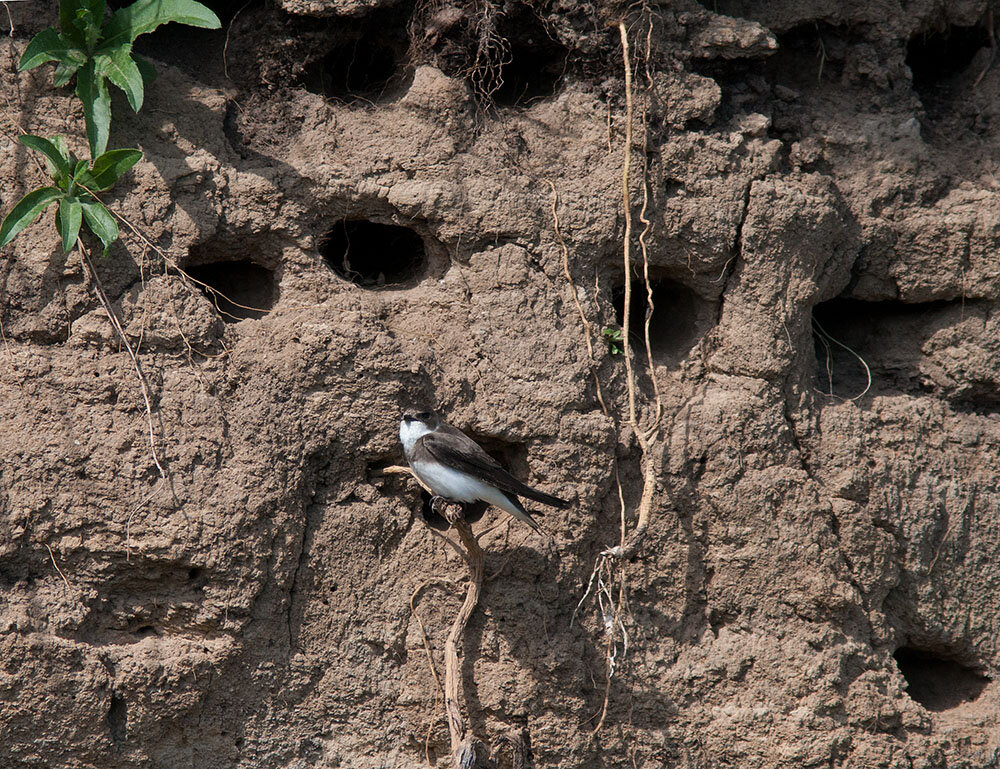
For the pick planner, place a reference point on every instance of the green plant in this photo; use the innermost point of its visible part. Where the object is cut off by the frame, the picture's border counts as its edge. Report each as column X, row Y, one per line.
column 613, row 337
column 96, row 51
column 75, row 181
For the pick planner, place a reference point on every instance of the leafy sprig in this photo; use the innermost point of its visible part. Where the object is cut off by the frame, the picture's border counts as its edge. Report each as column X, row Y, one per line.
column 96, row 51
column 74, row 183
column 613, row 338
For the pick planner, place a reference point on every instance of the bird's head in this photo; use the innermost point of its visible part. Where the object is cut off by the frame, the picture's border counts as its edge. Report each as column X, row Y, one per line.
column 416, row 424
column 428, row 418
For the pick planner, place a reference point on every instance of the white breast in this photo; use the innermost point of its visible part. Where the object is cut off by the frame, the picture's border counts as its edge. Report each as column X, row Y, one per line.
column 410, row 433
column 460, row 487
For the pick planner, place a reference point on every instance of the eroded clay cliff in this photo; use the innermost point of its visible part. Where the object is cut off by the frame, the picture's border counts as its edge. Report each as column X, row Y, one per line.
column 820, row 584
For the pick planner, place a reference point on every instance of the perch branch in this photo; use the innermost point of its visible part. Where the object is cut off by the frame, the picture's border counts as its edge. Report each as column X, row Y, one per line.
column 463, row 744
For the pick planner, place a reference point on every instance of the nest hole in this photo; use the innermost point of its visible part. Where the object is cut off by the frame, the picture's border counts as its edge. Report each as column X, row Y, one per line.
column 374, row 255
column 195, row 50
column 507, row 57
column 873, row 346
column 239, row 289
column 936, row 681
column 117, row 718
column 534, row 64
column 367, row 62
column 938, row 56
column 680, row 318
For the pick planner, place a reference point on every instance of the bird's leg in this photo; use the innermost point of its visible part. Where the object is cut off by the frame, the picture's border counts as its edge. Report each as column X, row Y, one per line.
column 452, row 511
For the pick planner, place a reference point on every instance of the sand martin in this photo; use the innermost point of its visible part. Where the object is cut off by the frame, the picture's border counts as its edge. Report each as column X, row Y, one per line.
column 455, row 467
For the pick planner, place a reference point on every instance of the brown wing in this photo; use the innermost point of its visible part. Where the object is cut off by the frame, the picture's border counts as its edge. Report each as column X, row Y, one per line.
column 453, row 448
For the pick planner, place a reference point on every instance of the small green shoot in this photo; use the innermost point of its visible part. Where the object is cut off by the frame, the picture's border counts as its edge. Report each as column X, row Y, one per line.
column 96, row 51
column 613, row 337
column 74, row 181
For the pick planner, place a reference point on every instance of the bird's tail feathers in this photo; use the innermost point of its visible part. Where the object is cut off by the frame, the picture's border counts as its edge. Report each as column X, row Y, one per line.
column 545, row 499
column 517, row 510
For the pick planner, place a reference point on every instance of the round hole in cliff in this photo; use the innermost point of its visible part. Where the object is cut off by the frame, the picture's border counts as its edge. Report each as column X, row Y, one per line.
column 532, row 63
column 680, row 318
column 145, row 631
column 936, row 681
column 936, row 56
column 368, row 60
column 507, row 57
column 374, row 255
column 239, row 289
column 866, row 346
column 195, row 50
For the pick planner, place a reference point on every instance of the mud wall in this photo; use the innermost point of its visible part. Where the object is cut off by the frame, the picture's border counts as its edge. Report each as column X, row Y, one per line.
column 819, row 586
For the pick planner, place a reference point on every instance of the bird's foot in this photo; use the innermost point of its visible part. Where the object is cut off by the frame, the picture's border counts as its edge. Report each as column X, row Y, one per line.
column 436, row 502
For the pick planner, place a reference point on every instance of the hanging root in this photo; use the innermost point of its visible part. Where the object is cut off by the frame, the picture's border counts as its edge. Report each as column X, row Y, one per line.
column 608, row 583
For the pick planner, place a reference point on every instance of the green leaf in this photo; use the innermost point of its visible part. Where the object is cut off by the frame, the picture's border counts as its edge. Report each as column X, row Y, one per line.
column 124, row 73
column 57, row 162
column 100, row 221
column 60, row 143
column 49, row 45
column 68, row 219
column 93, row 92
column 146, row 69
column 26, row 211
column 146, row 15
column 111, row 165
column 63, row 73
column 81, row 20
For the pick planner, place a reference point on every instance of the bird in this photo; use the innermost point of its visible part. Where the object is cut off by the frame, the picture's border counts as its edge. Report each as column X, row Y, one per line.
column 456, row 468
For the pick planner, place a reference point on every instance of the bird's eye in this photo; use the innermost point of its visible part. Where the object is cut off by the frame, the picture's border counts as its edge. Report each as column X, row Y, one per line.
column 424, row 415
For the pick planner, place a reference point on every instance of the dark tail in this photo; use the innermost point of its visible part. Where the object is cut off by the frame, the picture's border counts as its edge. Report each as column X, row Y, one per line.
column 545, row 499
column 523, row 514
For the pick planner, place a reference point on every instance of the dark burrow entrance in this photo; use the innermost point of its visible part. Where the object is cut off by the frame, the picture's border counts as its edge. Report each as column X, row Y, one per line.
column 507, row 55
column 937, row 58
column 535, row 63
column 195, row 50
column 937, row 682
column 680, row 318
column 875, row 347
column 372, row 255
column 239, row 289
column 368, row 59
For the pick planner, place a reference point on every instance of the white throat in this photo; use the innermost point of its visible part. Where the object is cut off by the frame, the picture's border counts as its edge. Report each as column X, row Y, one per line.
column 411, row 432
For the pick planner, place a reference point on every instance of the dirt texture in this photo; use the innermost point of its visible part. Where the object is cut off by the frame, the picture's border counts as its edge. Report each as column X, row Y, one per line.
column 370, row 185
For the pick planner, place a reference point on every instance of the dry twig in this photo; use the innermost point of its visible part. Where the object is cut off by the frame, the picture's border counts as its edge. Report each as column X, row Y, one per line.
column 52, row 556
column 120, row 331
